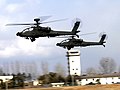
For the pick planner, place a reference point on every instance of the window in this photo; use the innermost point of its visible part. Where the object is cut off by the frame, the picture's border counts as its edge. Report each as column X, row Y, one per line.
column 112, row 82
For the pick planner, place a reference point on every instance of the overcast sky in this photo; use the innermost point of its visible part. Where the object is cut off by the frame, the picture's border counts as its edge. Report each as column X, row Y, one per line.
column 96, row 16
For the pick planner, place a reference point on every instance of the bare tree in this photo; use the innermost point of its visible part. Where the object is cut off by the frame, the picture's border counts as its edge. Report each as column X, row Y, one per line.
column 33, row 68
column 1, row 71
column 17, row 67
column 44, row 67
column 107, row 65
column 91, row 71
column 60, row 69
column 119, row 69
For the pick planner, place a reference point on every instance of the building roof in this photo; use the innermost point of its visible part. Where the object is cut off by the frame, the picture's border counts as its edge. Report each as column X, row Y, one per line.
column 5, row 78
column 61, row 83
column 98, row 76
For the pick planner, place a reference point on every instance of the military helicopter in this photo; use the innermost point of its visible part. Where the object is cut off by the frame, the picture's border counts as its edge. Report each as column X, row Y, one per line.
column 36, row 31
column 71, row 43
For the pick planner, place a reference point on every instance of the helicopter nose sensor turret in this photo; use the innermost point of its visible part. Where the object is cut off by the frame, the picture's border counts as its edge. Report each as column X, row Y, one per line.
column 18, row 34
column 58, row 44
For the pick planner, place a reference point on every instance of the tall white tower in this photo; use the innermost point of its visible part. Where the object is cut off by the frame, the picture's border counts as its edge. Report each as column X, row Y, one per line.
column 74, row 66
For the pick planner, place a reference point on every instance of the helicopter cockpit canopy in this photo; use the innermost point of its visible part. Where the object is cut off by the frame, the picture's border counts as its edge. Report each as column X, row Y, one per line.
column 66, row 40
column 27, row 29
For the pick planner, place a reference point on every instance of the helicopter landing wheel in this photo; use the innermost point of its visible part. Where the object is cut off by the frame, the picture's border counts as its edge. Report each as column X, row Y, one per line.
column 32, row 39
column 26, row 38
column 68, row 48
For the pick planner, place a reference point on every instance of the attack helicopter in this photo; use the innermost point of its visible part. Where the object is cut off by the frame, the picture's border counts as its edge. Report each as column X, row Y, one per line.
column 73, row 42
column 36, row 31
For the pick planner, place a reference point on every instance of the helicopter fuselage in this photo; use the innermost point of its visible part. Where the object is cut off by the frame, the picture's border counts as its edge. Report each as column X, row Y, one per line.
column 70, row 43
column 36, row 32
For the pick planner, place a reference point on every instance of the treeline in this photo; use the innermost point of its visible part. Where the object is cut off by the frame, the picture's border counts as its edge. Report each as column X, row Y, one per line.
column 21, row 80
column 107, row 65
column 32, row 67
column 53, row 77
column 18, row 81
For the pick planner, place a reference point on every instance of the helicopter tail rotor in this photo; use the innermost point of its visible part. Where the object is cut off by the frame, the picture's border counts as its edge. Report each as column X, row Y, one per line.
column 103, row 33
column 76, row 20
column 103, row 38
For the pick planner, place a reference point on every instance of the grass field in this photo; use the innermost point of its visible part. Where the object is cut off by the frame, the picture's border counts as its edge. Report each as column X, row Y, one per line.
column 90, row 87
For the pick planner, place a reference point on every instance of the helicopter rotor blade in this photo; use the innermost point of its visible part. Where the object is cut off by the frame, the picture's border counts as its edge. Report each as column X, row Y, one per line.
column 54, row 21
column 87, row 33
column 36, row 23
column 70, row 36
column 21, row 24
column 43, row 18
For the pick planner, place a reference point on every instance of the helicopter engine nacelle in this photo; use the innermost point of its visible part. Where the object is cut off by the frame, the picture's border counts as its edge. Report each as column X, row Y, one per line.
column 81, row 40
column 48, row 29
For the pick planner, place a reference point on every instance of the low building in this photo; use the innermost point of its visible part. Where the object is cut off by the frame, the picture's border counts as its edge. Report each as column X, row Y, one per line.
column 31, row 83
column 57, row 84
column 36, row 83
column 5, row 78
column 99, row 79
